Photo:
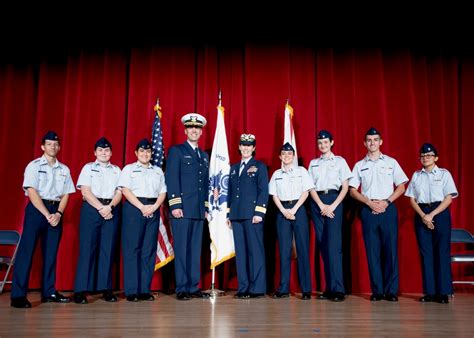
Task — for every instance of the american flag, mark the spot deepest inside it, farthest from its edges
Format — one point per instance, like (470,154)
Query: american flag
(164,249)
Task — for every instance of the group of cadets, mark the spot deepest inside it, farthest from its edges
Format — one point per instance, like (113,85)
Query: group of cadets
(328,179)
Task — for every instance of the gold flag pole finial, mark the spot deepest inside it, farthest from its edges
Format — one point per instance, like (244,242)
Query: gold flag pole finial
(220,97)
(157,107)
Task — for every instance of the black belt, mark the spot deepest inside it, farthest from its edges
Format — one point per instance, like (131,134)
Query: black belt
(429,205)
(104,201)
(289,202)
(147,200)
(51,202)
(328,192)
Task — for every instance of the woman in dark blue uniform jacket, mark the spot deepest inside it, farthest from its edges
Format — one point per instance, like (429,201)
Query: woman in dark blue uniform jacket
(247,205)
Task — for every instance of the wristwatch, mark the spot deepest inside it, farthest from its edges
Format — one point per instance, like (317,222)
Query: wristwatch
(388,201)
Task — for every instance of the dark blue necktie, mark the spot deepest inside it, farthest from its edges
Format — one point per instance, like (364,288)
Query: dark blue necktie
(197,152)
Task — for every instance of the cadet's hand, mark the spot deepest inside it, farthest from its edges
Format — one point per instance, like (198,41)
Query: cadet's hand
(256,219)
(148,210)
(54,220)
(377,207)
(428,221)
(105,211)
(177,213)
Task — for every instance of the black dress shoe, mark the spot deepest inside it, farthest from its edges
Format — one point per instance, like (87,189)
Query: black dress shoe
(337,297)
(256,295)
(80,298)
(376,297)
(109,296)
(279,294)
(55,298)
(427,299)
(146,296)
(306,295)
(182,296)
(20,303)
(442,299)
(132,298)
(324,295)
(391,297)
(199,294)
(242,295)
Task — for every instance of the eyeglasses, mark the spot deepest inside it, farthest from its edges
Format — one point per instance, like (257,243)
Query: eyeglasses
(427,156)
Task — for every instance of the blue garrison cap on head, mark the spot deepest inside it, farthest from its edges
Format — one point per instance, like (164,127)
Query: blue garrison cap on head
(50,135)
(103,143)
(247,140)
(372,131)
(324,134)
(428,148)
(144,144)
(287,147)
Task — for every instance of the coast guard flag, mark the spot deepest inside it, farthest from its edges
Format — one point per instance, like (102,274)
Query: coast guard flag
(289,132)
(164,249)
(222,238)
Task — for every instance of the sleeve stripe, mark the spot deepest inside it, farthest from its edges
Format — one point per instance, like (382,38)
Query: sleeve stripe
(260,209)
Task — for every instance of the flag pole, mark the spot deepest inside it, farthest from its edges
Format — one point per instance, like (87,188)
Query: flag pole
(213,292)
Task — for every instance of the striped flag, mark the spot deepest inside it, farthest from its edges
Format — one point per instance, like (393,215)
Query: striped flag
(222,237)
(289,132)
(164,249)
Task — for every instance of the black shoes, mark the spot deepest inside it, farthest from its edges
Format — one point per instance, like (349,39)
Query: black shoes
(132,298)
(442,299)
(279,294)
(199,294)
(182,296)
(80,298)
(306,295)
(55,298)
(109,296)
(242,295)
(376,297)
(146,296)
(427,299)
(391,297)
(20,303)
(337,297)
(256,295)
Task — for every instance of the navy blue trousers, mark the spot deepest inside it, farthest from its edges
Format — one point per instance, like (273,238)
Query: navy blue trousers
(435,252)
(97,238)
(139,242)
(381,239)
(329,238)
(187,242)
(285,231)
(249,256)
(36,227)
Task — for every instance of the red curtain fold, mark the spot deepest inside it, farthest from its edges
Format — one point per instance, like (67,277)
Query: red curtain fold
(412,96)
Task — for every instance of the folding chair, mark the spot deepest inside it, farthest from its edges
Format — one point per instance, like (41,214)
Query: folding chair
(8,237)
(462,236)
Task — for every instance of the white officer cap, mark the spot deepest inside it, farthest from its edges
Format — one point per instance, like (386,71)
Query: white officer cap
(194,120)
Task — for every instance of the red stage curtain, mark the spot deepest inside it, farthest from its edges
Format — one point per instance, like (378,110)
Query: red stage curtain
(412,96)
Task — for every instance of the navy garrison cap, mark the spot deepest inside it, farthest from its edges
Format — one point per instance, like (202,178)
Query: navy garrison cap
(287,147)
(428,148)
(247,139)
(50,135)
(372,131)
(103,143)
(324,134)
(144,144)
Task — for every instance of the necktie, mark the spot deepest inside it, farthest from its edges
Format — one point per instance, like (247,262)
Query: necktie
(197,152)
(242,165)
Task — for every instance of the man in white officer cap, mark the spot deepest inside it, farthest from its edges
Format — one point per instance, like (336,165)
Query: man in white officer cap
(187,180)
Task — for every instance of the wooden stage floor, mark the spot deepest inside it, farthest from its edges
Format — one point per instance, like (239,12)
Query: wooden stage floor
(229,317)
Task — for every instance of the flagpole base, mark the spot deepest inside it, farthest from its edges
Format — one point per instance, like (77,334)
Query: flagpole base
(213,293)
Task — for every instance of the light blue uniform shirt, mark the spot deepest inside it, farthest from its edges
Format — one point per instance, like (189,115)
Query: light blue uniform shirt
(102,180)
(433,186)
(143,182)
(378,177)
(51,182)
(329,173)
(289,185)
